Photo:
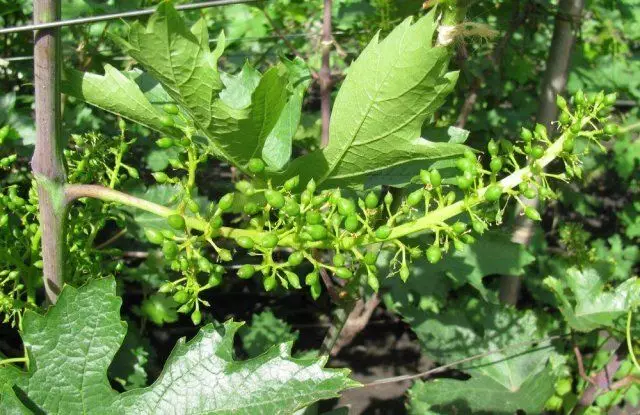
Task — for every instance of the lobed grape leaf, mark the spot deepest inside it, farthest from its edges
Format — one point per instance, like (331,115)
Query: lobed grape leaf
(586,304)
(515,376)
(72,345)
(390,90)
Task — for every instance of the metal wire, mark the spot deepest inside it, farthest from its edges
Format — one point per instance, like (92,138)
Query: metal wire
(113,16)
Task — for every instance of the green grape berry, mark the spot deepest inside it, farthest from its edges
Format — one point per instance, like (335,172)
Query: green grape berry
(493,148)
(415,197)
(167,121)
(317,232)
(526,134)
(611,129)
(463,182)
(256,165)
(251,208)
(196,317)
(171,109)
(291,207)
(339,260)
(370,258)
(269,241)
(434,254)
(225,202)
(313,218)
(404,272)
(245,242)
(496,164)
(464,164)
(295,258)
(160,177)
(425,177)
(579,98)
(311,278)
(270,283)
(529,193)
(165,142)
(383,232)
(176,222)
(274,198)
(459,227)
(169,249)
(371,201)
(388,199)
(346,207)
(351,223)
(568,144)
(565,118)
(347,243)
(316,290)
(532,213)
(246,271)
(610,99)
(537,152)
(311,185)
(154,236)
(204,264)
(436,179)
(193,206)
(344,273)
(540,131)
(245,187)
(181,297)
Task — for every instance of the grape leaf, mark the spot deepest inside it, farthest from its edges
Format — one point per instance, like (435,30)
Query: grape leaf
(71,346)
(518,373)
(480,393)
(586,305)
(389,92)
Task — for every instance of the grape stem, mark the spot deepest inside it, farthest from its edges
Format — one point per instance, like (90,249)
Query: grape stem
(425,223)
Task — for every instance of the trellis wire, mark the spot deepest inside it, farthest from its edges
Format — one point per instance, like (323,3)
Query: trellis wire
(113,16)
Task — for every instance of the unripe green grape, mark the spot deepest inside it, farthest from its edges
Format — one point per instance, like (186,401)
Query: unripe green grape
(318,200)
(246,271)
(561,102)
(537,152)
(160,177)
(181,297)
(568,144)
(185,141)
(196,317)
(306,197)
(592,98)
(458,244)
(576,127)
(169,249)
(404,272)
(291,207)
(611,129)
(425,177)
(225,202)
(563,386)
(225,255)
(526,134)
(434,254)
(351,223)
(167,121)
(565,118)
(185,308)
(371,201)
(347,243)
(415,197)
(245,242)
(245,187)
(167,287)
(532,213)
(295,258)
(311,185)
(154,236)
(463,182)
(495,164)
(171,109)
(251,208)
(554,404)
(339,260)
(383,232)
(215,222)
(459,227)
(529,193)
(313,218)
(274,198)
(493,148)
(388,199)
(193,206)
(463,164)
(344,273)
(468,239)
(256,165)
(269,241)
(204,264)
(370,258)
(545,193)
(336,219)
(478,226)
(165,142)
(270,283)
(579,98)
(176,222)
(434,176)
(317,232)
(450,197)
(292,183)
(346,207)
(311,278)
(293,279)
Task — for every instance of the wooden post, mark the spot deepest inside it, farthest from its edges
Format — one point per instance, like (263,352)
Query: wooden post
(48,163)
(325,71)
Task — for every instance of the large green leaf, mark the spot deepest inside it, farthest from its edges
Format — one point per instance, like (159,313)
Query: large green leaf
(513,377)
(587,304)
(480,394)
(71,347)
(389,92)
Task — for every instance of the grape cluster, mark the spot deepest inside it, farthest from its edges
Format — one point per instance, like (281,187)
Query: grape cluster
(296,226)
